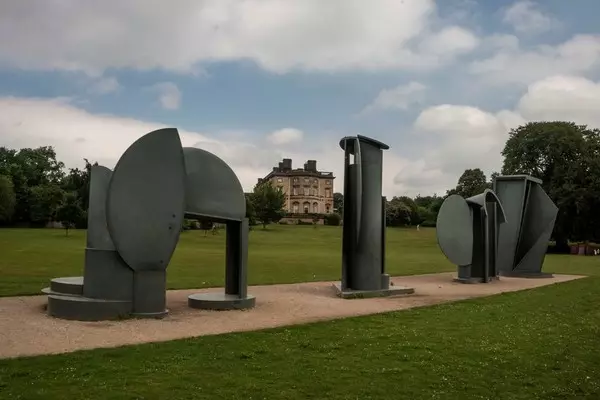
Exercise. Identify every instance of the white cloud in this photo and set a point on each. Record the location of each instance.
(454, 138)
(526, 17)
(569, 98)
(169, 95)
(285, 136)
(459, 137)
(398, 98)
(105, 85)
(76, 134)
(513, 65)
(278, 35)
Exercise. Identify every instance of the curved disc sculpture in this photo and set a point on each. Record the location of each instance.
(134, 221)
(454, 230)
(145, 202)
(213, 189)
(467, 233)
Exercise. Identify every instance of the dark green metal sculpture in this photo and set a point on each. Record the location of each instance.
(134, 221)
(467, 234)
(504, 231)
(531, 214)
(363, 243)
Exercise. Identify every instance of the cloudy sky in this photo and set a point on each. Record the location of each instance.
(257, 80)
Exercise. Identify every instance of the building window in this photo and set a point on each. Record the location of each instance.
(295, 207)
(327, 208)
(315, 208)
(306, 191)
(279, 180)
(295, 180)
(314, 192)
(329, 182)
(306, 207)
(295, 191)
(306, 180)
(316, 182)
(327, 192)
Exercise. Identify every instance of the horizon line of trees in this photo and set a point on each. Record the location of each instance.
(36, 189)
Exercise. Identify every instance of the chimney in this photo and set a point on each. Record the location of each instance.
(287, 164)
(311, 166)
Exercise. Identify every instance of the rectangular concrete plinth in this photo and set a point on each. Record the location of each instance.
(365, 294)
(475, 280)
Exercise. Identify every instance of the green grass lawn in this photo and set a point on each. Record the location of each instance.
(536, 344)
(29, 258)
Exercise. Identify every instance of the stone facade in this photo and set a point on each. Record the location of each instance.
(307, 190)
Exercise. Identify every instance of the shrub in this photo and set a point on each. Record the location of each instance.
(333, 219)
(428, 224)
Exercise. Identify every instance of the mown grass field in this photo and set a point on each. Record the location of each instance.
(534, 344)
(29, 258)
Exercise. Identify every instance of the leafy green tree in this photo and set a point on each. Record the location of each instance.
(268, 203)
(44, 201)
(250, 213)
(8, 199)
(338, 203)
(566, 157)
(493, 176)
(29, 168)
(78, 182)
(397, 212)
(69, 212)
(471, 183)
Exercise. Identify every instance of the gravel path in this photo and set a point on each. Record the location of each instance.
(26, 330)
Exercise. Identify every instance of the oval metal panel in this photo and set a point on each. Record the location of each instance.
(454, 230)
(212, 188)
(145, 201)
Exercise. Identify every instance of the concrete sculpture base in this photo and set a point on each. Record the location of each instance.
(66, 301)
(531, 275)
(220, 301)
(472, 281)
(365, 294)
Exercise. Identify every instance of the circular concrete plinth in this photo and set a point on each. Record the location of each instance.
(220, 301)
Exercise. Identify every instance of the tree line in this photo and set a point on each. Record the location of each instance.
(35, 187)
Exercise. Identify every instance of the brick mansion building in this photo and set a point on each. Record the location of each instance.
(307, 190)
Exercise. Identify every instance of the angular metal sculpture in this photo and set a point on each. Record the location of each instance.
(531, 214)
(134, 221)
(363, 243)
(467, 233)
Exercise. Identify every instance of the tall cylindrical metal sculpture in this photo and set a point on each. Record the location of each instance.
(363, 242)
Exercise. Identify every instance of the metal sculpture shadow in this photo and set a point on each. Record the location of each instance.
(467, 234)
(523, 240)
(363, 242)
(134, 222)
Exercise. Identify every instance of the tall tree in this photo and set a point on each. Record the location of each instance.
(566, 157)
(69, 212)
(268, 203)
(44, 201)
(7, 199)
(30, 168)
(398, 213)
(471, 183)
(338, 203)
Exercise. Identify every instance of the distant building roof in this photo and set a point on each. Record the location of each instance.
(285, 169)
